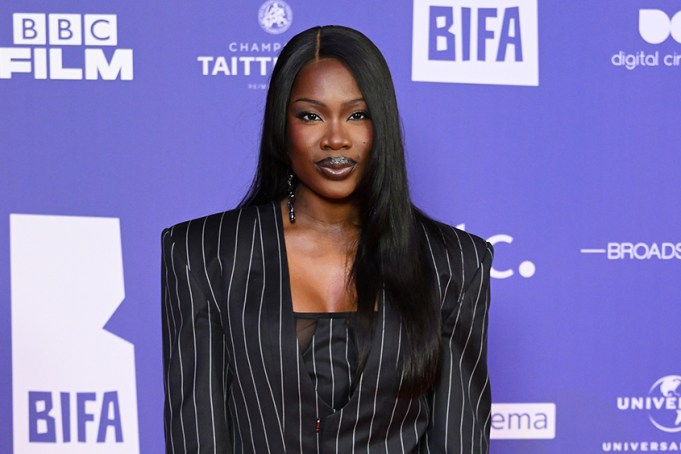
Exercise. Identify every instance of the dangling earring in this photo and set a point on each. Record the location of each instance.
(291, 199)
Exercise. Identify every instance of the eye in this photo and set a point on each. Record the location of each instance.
(308, 116)
(359, 115)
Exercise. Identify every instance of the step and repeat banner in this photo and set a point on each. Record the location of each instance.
(549, 128)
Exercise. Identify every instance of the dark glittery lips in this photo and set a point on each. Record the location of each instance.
(337, 162)
(336, 168)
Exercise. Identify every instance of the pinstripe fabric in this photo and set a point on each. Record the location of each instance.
(235, 381)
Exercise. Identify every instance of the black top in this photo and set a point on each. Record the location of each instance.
(327, 344)
(234, 376)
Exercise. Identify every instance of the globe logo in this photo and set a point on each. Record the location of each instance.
(665, 413)
(275, 16)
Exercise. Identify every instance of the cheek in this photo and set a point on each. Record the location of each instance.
(298, 140)
(297, 149)
(367, 139)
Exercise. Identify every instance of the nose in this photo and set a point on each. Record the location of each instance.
(336, 136)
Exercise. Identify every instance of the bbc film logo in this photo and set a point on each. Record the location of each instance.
(655, 28)
(44, 43)
(475, 42)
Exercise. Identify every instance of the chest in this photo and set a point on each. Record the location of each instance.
(267, 378)
(319, 275)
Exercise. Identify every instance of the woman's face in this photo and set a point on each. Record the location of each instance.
(329, 130)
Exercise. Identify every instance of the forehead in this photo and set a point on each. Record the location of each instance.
(325, 78)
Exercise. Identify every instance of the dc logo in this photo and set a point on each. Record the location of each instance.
(665, 413)
(655, 26)
(275, 16)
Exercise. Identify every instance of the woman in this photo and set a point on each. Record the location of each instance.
(326, 314)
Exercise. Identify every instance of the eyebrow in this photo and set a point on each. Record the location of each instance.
(319, 103)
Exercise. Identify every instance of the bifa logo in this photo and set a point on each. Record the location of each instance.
(44, 42)
(42, 419)
(74, 382)
(655, 26)
(475, 41)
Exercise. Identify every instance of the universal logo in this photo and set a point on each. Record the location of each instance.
(655, 28)
(43, 41)
(526, 268)
(638, 251)
(662, 406)
(475, 42)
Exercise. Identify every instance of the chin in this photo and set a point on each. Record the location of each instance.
(338, 197)
(340, 192)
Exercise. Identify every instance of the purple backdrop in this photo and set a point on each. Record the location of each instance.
(559, 144)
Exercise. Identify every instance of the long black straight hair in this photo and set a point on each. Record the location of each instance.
(392, 254)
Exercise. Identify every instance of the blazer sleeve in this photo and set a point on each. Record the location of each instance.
(461, 401)
(195, 370)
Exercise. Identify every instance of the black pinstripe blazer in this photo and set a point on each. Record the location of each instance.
(234, 378)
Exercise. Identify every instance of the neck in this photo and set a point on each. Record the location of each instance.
(325, 214)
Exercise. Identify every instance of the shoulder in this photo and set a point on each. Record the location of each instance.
(209, 245)
(210, 228)
(455, 253)
(465, 245)
(210, 235)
